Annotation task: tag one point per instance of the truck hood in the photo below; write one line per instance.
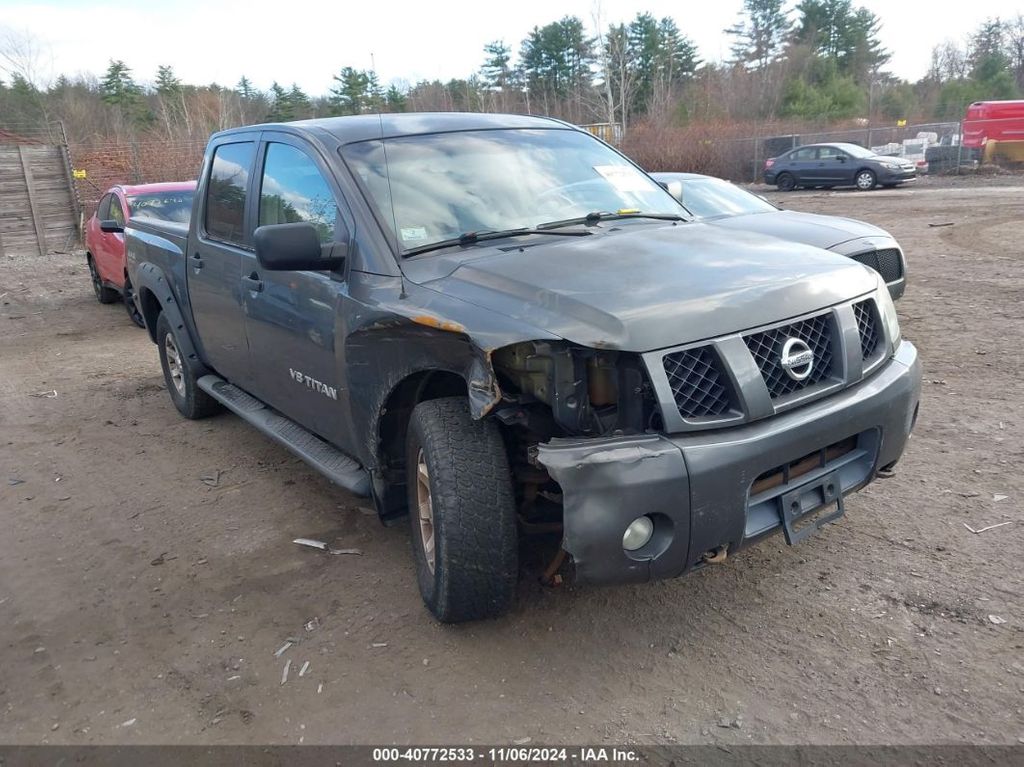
(809, 228)
(645, 286)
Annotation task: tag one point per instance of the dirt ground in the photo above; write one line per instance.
(148, 575)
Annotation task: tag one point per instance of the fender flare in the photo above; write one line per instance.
(151, 279)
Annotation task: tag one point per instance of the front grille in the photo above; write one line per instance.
(766, 348)
(867, 327)
(699, 385)
(885, 261)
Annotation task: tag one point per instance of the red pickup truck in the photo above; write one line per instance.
(104, 241)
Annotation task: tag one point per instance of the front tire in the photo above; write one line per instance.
(180, 375)
(785, 182)
(462, 512)
(865, 180)
(104, 294)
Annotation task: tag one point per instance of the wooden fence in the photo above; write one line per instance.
(38, 208)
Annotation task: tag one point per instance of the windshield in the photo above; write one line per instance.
(856, 151)
(712, 197)
(165, 206)
(435, 187)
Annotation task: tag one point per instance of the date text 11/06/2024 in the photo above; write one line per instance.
(500, 754)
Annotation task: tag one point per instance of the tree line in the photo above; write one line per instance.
(812, 60)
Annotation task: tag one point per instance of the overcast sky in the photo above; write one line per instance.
(308, 41)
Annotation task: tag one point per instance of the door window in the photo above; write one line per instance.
(293, 190)
(803, 155)
(103, 209)
(830, 154)
(116, 212)
(226, 192)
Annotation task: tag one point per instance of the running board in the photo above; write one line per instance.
(328, 460)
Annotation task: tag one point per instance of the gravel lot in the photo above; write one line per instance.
(147, 573)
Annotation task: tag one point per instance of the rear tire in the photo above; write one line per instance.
(129, 304)
(462, 512)
(180, 375)
(104, 294)
(785, 182)
(865, 180)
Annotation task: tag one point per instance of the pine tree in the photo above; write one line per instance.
(245, 89)
(760, 33)
(118, 88)
(395, 99)
(353, 94)
(281, 109)
(167, 84)
(301, 107)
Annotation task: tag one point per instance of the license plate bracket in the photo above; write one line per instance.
(807, 500)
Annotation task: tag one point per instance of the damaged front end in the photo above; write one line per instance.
(558, 393)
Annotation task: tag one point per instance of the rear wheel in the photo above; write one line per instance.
(865, 180)
(180, 375)
(129, 304)
(785, 182)
(104, 294)
(462, 512)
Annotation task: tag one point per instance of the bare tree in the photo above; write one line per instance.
(23, 55)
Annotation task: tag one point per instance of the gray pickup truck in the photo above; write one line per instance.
(497, 324)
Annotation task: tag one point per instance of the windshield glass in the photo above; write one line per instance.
(856, 151)
(165, 206)
(435, 187)
(712, 197)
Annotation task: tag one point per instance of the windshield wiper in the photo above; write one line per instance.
(469, 238)
(595, 216)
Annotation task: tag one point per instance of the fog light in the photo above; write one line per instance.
(638, 533)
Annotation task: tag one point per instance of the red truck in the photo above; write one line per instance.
(997, 129)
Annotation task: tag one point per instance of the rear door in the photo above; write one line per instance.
(221, 239)
(292, 318)
(801, 162)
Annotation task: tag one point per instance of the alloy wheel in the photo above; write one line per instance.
(174, 364)
(425, 510)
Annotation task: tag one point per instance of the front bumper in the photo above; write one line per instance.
(896, 175)
(697, 487)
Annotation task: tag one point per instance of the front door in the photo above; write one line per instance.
(109, 255)
(293, 318)
(834, 166)
(214, 259)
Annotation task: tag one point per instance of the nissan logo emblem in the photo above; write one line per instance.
(797, 359)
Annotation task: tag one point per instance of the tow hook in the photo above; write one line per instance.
(716, 556)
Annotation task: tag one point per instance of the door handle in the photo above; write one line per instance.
(197, 261)
(253, 282)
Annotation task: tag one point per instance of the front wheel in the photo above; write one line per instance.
(129, 304)
(180, 375)
(786, 182)
(866, 180)
(462, 512)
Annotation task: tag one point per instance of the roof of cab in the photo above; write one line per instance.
(345, 130)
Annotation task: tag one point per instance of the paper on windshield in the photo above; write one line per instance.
(625, 178)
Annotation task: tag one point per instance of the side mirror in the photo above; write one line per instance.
(841, 157)
(674, 188)
(297, 248)
(110, 226)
